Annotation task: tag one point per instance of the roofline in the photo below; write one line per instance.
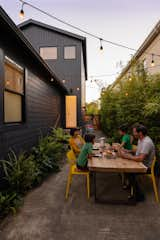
(28, 45)
(32, 21)
(64, 32)
(152, 35)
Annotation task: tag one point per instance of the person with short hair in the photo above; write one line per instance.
(126, 139)
(145, 153)
(76, 142)
(86, 152)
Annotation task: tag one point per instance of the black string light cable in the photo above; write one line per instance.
(81, 30)
(77, 28)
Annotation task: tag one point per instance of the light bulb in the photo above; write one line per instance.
(101, 47)
(152, 63)
(21, 14)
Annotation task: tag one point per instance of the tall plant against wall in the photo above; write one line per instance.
(138, 100)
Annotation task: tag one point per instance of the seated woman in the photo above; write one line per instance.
(76, 142)
(86, 152)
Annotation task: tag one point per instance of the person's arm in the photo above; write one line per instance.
(90, 152)
(138, 158)
(133, 151)
(74, 146)
(81, 139)
(121, 145)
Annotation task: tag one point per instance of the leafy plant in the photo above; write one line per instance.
(58, 134)
(9, 202)
(46, 155)
(131, 101)
(20, 171)
(24, 171)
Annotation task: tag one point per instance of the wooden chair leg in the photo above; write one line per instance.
(155, 189)
(88, 186)
(69, 180)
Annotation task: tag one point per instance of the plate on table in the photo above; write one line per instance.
(95, 148)
(97, 155)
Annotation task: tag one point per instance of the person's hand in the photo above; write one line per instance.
(121, 153)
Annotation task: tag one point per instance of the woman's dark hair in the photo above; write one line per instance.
(73, 130)
(89, 138)
(135, 125)
(123, 128)
(142, 128)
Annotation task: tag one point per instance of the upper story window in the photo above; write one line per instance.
(13, 92)
(69, 52)
(48, 53)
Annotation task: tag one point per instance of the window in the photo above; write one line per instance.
(48, 53)
(70, 52)
(13, 93)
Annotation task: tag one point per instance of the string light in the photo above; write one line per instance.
(21, 13)
(152, 62)
(79, 29)
(52, 79)
(101, 47)
(130, 79)
(83, 31)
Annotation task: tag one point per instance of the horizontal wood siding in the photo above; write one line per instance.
(43, 104)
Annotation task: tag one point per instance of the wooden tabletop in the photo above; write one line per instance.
(115, 165)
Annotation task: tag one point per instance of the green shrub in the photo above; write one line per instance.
(24, 171)
(59, 135)
(9, 202)
(135, 101)
(47, 154)
(20, 171)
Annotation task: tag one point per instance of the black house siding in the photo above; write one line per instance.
(67, 69)
(43, 104)
(43, 100)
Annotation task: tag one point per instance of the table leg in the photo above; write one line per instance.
(131, 200)
(132, 197)
(95, 192)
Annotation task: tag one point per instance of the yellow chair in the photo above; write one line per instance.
(74, 171)
(152, 175)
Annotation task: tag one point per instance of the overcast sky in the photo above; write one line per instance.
(123, 21)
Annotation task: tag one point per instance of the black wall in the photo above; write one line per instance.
(68, 69)
(43, 101)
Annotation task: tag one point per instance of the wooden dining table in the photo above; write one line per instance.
(116, 165)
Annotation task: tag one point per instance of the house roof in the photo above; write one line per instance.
(29, 48)
(26, 23)
(152, 35)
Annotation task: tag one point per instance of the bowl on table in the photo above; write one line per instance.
(110, 154)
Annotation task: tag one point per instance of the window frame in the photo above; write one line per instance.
(48, 59)
(75, 52)
(14, 65)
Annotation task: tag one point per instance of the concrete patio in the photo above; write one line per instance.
(46, 215)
